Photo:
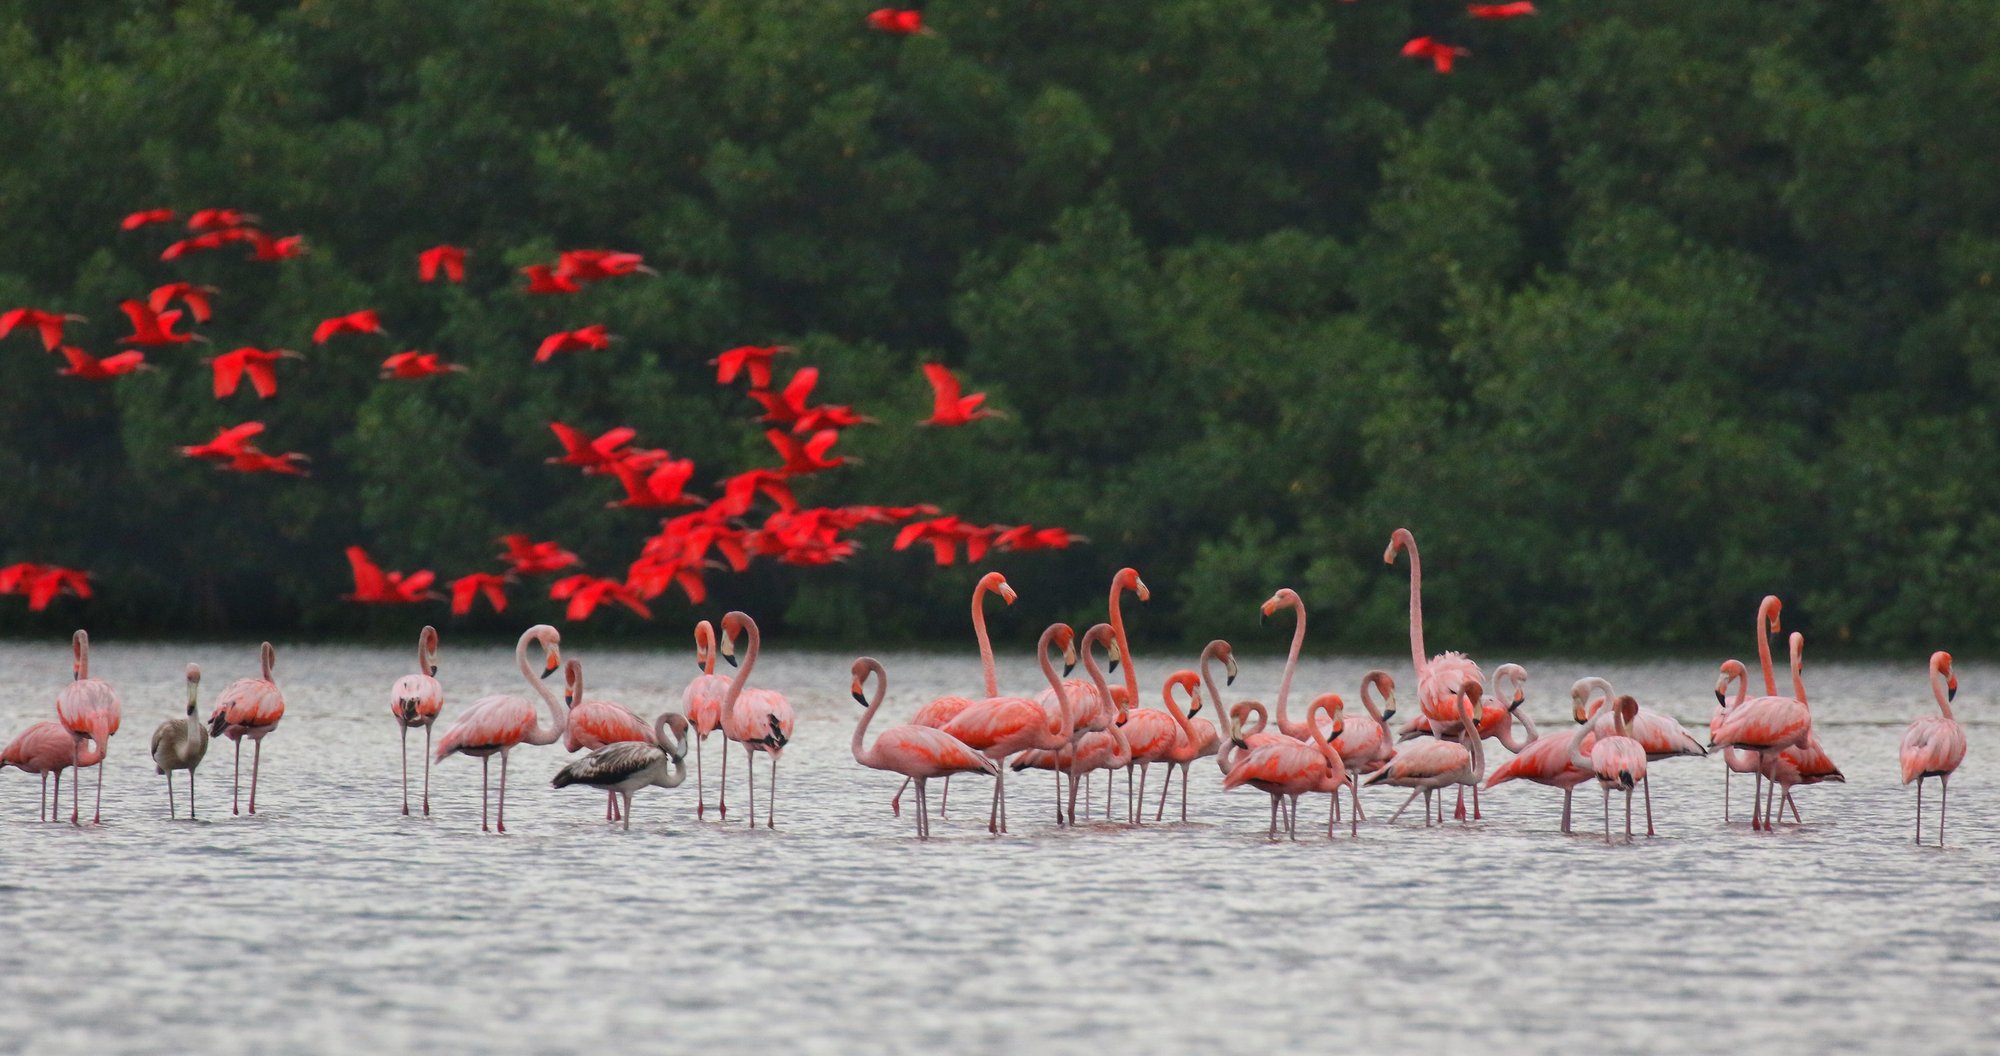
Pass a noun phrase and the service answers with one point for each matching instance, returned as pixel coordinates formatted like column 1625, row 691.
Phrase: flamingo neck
column 1478, row 744
column 1764, row 655
column 1055, row 680
column 985, row 645
column 866, row 755
column 1214, row 693
column 1417, row 653
column 558, row 721
column 1291, row 663
column 742, row 673
column 1124, row 645
column 1533, row 734
column 672, row 745
column 1798, row 668
column 1937, row 690
column 1097, row 679
column 266, row 657
column 426, row 648
column 81, row 647
column 1180, row 718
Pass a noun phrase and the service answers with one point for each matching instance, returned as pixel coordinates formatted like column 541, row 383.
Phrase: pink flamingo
column 624, row 767
column 1546, row 761
column 701, row 701
column 1159, row 737
column 88, row 709
column 1002, row 726
column 501, row 723
column 49, row 748
column 1426, row 765
column 249, row 707
column 1660, row 735
column 1737, row 760
column 1615, row 759
column 1288, row 767
column 414, row 701
column 1766, row 726
column 1366, row 747
column 944, row 709
column 1187, row 745
column 760, row 719
column 917, row 752
column 595, row 724
column 1286, row 597
column 1808, row 762
column 1441, row 678
column 180, row 744
column 1107, row 749
column 1934, row 745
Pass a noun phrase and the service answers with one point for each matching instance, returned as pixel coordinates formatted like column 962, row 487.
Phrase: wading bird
column 503, row 722
column 1934, row 745
column 414, row 702
column 919, row 753
column 249, row 707
column 180, row 744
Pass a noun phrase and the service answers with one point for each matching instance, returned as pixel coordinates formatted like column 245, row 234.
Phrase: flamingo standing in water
column 1288, row 598
column 1002, row 726
column 1287, row 767
column 1187, row 746
column 1616, row 759
column 701, row 701
column 500, row 723
column 1765, row 726
column 1807, row 763
column 1934, row 745
column 88, row 709
column 180, row 744
column 1546, row 761
column 944, row 709
column 1207, row 741
column 1496, row 722
column 249, row 707
column 759, row 720
column 415, row 701
column 1431, row 763
column 49, row 748
column 917, row 752
column 624, row 767
column 1738, row 760
column 1441, row 678
column 1660, row 735
column 1366, row 747
column 595, row 724
column 1107, row 749
column 1767, row 624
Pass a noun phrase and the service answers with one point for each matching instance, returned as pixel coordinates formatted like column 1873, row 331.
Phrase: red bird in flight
column 897, row 22
column 49, row 323
column 413, row 366
column 446, row 259
column 592, row 338
column 755, row 360
column 739, row 491
column 586, row 593
column 230, row 367
column 944, row 534
column 88, row 367
column 135, row 221
column 43, row 583
column 948, row 408
column 596, row 265
column 265, row 248
column 541, row 280
column 153, row 328
column 788, row 407
column 376, row 587
column 1497, row 11
column 656, row 486
column 528, row 558
column 255, row 461
column 228, row 443
column 1441, row 55
column 195, row 297
column 595, row 456
column 207, row 240
column 808, row 456
column 1026, row 537
column 361, row 322
column 465, row 588
column 215, row 219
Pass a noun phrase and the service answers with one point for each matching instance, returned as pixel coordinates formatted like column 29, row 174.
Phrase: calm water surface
column 330, row 923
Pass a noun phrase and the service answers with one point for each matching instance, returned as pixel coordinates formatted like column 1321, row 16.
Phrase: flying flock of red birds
column 714, row 535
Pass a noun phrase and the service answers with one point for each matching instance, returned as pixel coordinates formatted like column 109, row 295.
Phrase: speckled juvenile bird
column 179, row 744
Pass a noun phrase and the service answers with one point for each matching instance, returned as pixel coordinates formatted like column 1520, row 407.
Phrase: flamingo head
column 862, row 666
column 1628, row 712
column 1941, row 665
column 551, row 642
column 1128, row 579
column 1111, row 649
column 427, row 648
column 1767, row 613
column 1730, row 671
column 572, row 683
column 1285, row 598
column 1063, row 636
column 1221, row 650
column 1399, row 541
column 1518, row 675
column 997, row 583
column 194, row 686
column 1580, row 694
column 733, row 624
column 704, row 645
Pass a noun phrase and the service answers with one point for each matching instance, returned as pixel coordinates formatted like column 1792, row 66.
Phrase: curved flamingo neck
column 1533, row 733
column 1124, row 645
column 1332, row 712
column 80, row 648
column 1417, row 653
column 1368, row 688
column 743, row 673
column 1576, row 757
column 268, row 657
column 1767, row 614
column 1097, row 673
column 1595, row 688
column 1055, row 681
column 985, row 645
column 1937, row 690
column 1291, row 661
column 677, row 746
column 1208, row 679
column 558, row 720
column 1180, row 717
column 1798, row 650
column 1478, row 745
column 1741, row 680
column 865, row 754
column 426, row 651
column 704, row 643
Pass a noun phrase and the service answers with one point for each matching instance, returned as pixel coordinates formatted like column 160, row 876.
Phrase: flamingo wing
column 490, row 723
column 610, row 765
column 1932, row 745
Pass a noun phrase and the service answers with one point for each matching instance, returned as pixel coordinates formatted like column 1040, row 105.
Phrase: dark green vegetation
column 1645, row 311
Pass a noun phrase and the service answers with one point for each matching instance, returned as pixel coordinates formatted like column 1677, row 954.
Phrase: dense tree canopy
column 1640, row 313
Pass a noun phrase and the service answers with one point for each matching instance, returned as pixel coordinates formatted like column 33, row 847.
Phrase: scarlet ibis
column 135, row 221
column 740, row 490
column 411, row 366
column 890, row 514
column 88, row 367
column 365, row 321
column 585, row 338
column 945, row 534
column 207, row 240
column 228, row 443
column 44, row 583
column 755, row 360
column 541, row 280
column 195, row 297
column 265, row 248
column 897, row 22
column 291, row 463
column 259, row 364
column 593, row 455
column 689, row 537
column 808, row 456
column 527, row 557
column 49, row 323
column 788, row 406
column 1026, row 537
column 585, row 593
column 650, row 577
column 376, row 587
column 465, row 588
column 153, row 328
column 596, row 265
column 656, row 486
column 1499, row 11
column 1441, row 55
column 214, row 219
column 441, row 258
column 948, row 407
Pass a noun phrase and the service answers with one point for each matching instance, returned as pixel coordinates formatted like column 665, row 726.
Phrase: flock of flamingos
column 1073, row 728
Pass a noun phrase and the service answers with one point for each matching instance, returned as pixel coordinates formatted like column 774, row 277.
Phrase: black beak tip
column 1230, row 681
column 1390, row 714
column 1951, row 694
column 549, row 672
column 1114, row 665
column 730, row 658
column 699, row 666
column 434, row 670
column 1067, row 668
column 1238, row 742
column 859, row 699
column 1718, row 697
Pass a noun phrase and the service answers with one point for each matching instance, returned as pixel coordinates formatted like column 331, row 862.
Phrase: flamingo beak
column 1140, row 586
column 858, row 698
column 1390, row 714
column 1196, row 710
column 555, row 662
column 1068, row 666
column 1006, row 593
column 434, row 670
column 729, row 655
column 1231, row 668
column 1238, row 742
column 1518, row 701
column 1719, row 702
column 1951, row 690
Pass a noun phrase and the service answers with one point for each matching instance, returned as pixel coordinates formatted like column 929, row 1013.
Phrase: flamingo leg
column 1165, row 786
column 701, row 785
column 1475, row 803
column 406, row 771
column 1567, row 793
column 485, row 792
column 55, row 805
column 1292, row 819
column 257, row 757
column 1109, row 789
column 1137, row 815
column 97, row 812
column 1184, row 781
column 1794, row 804
column 1072, row 794
column 628, row 812
column 1770, row 798
column 1272, row 832
column 610, row 805
column 1725, row 795
column 943, row 798
column 922, row 808
column 1920, row 812
column 500, row 811
column 1757, row 796
column 896, row 801
column 1406, row 806
column 170, row 795
column 1628, row 815
column 1648, row 782
column 771, row 799
column 999, row 785
column 1354, row 793
column 236, row 781
column 1607, row 815
column 42, row 801
column 750, row 777
column 191, row 793
column 722, row 783
column 427, row 775
column 1944, row 797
